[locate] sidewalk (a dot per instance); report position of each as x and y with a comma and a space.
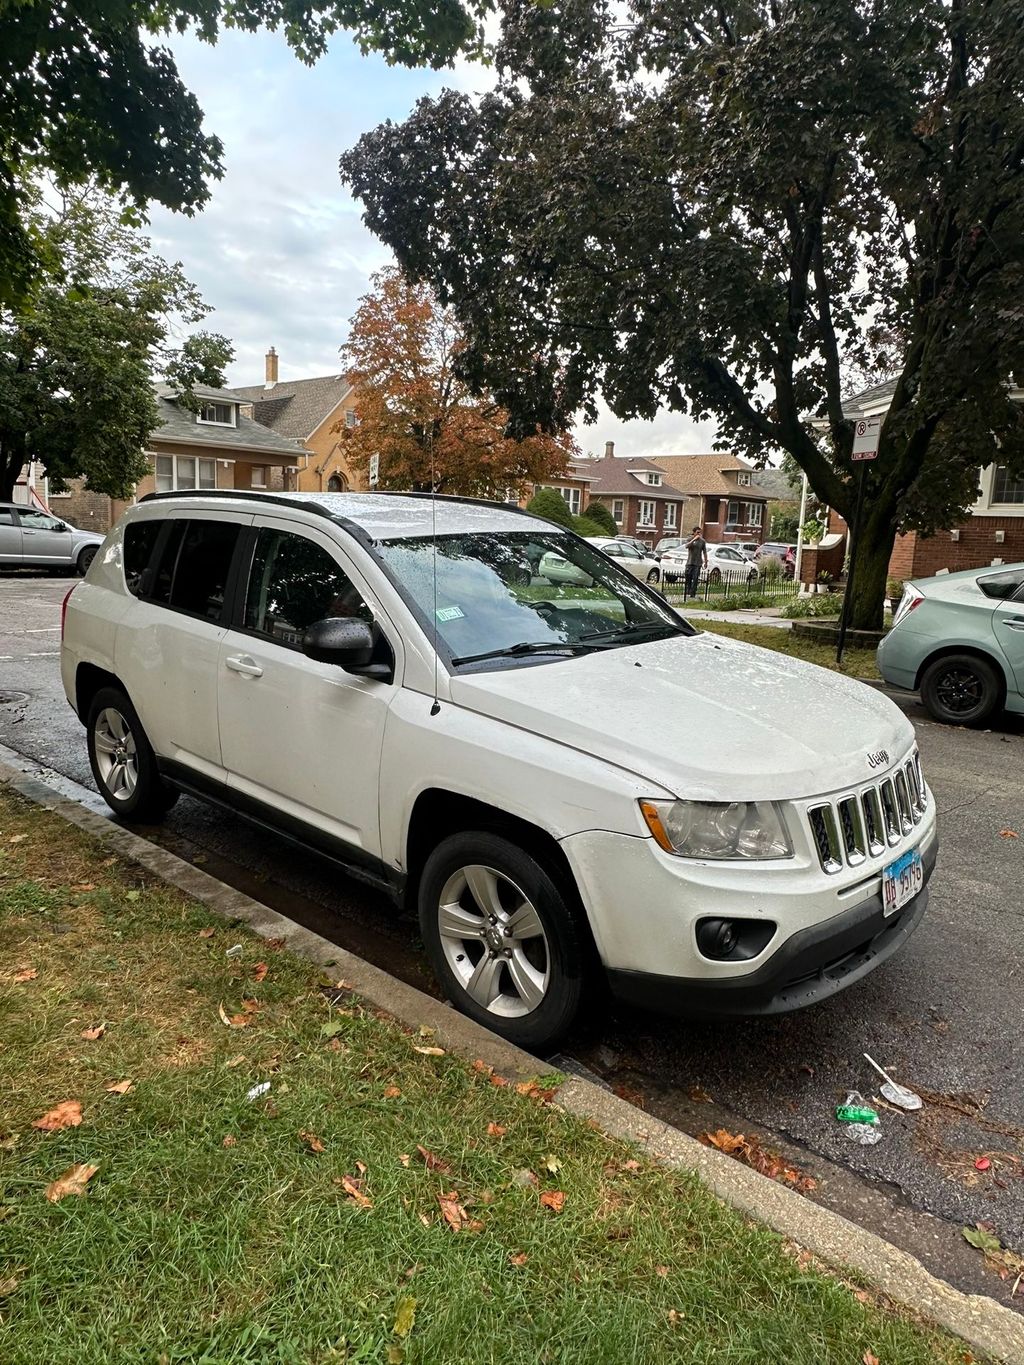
276, 1170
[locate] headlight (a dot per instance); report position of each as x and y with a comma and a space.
711, 829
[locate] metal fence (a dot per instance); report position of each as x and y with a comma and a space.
775, 591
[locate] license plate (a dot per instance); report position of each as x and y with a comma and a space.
901, 881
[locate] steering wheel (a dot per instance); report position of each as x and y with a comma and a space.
545, 608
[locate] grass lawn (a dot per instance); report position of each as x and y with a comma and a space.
304, 1225
857, 663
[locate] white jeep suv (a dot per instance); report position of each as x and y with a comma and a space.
565, 781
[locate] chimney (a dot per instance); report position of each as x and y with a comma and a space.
609, 449
270, 369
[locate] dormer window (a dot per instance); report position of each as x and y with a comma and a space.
654, 480
217, 414
743, 478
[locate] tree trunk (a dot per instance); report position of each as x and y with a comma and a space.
873, 551
13, 445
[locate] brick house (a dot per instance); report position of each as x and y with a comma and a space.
723, 495
312, 413
993, 533
633, 489
573, 484
216, 447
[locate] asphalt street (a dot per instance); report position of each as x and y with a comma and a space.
944, 1016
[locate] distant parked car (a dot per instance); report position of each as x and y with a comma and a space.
557, 569
749, 547
725, 564
787, 553
959, 640
636, 542
668, 543
639, 564
31, 539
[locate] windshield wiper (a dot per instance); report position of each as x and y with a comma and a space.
634, 628
527, 647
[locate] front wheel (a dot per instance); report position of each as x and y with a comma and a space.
751, 578
501, 939
123, 763
961, 689
654, 576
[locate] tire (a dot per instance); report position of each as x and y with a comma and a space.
85, 558
961, 689
654, 577
122, 761
715, 576
751, 579
534, 1002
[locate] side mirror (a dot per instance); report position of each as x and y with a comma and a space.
347, 642
62, 526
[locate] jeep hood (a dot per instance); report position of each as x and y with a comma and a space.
702, 716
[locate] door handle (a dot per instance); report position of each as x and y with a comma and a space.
1015, 622
242, 663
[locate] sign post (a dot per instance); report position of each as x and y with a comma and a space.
866, 434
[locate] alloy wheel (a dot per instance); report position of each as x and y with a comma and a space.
960, 691
116, 754
494, 941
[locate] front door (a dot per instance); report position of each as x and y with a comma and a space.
10, 537
43, 541
300, 736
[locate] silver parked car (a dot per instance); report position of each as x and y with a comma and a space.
31, 539
959, 640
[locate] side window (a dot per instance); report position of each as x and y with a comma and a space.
293, 582
37, 521
192, 573
6, 516
139, 543
1002, 585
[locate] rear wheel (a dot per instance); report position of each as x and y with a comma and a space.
961, 689
654, 576
715, 576
501, 939
85, 558
123, 763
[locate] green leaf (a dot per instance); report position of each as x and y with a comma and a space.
330, 1030
132, 895
983, 1240
405, 1316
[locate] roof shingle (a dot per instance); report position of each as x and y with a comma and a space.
179, 424
295, 407
705, 475
611, 476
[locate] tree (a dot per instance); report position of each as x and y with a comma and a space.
87, 94
76, 365
725, 208
600, 515
549, 504
419, 417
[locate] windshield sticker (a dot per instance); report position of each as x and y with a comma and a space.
449, 613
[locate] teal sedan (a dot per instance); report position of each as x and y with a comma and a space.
959, 640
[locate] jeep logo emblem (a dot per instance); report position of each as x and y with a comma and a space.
879, 758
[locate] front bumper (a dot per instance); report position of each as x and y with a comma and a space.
810, 966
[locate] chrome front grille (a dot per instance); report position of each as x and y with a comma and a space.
864, 823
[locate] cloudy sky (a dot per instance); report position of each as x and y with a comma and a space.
280, 251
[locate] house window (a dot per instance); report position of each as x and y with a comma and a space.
732, 515
183, 472
618, 510
654, 480
217, 414
755, 512
1005, 489
743, 480
670, 516
647, 512
351, 420
572, 497
258, 476
337, 483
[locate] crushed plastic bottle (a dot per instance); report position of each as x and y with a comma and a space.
859, 1120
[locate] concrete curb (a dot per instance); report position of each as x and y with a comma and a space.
984, 1324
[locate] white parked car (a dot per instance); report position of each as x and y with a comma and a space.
33, 539
726, 563
560, 786
639, 564
558, 569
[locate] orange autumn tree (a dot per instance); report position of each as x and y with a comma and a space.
401, 356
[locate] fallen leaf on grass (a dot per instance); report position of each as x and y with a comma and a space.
404, 1158
496, 1130
311, 1140
85, 886
132, 895
405, 1316
229, 1141
352, 1188
675, 1317
869, 1358
17, 838
73, 1181
207, 933
237, 1060
1008, 834
497, 1080
758, 1158
524, 1179
553, 1200
118, 1087
520, 1258
275, 943
430, 1051
67, 1114
551, 1164
391, 1092
25, 974
259, 971
432, 1162
10, 1284
396, 1353
91, 1035
452, 1211
661, 1270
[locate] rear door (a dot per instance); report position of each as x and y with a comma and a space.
42, 542
1008, 625
10, 537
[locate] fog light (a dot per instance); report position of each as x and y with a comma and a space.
716, 938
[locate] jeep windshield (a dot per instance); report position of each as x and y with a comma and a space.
504, 599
